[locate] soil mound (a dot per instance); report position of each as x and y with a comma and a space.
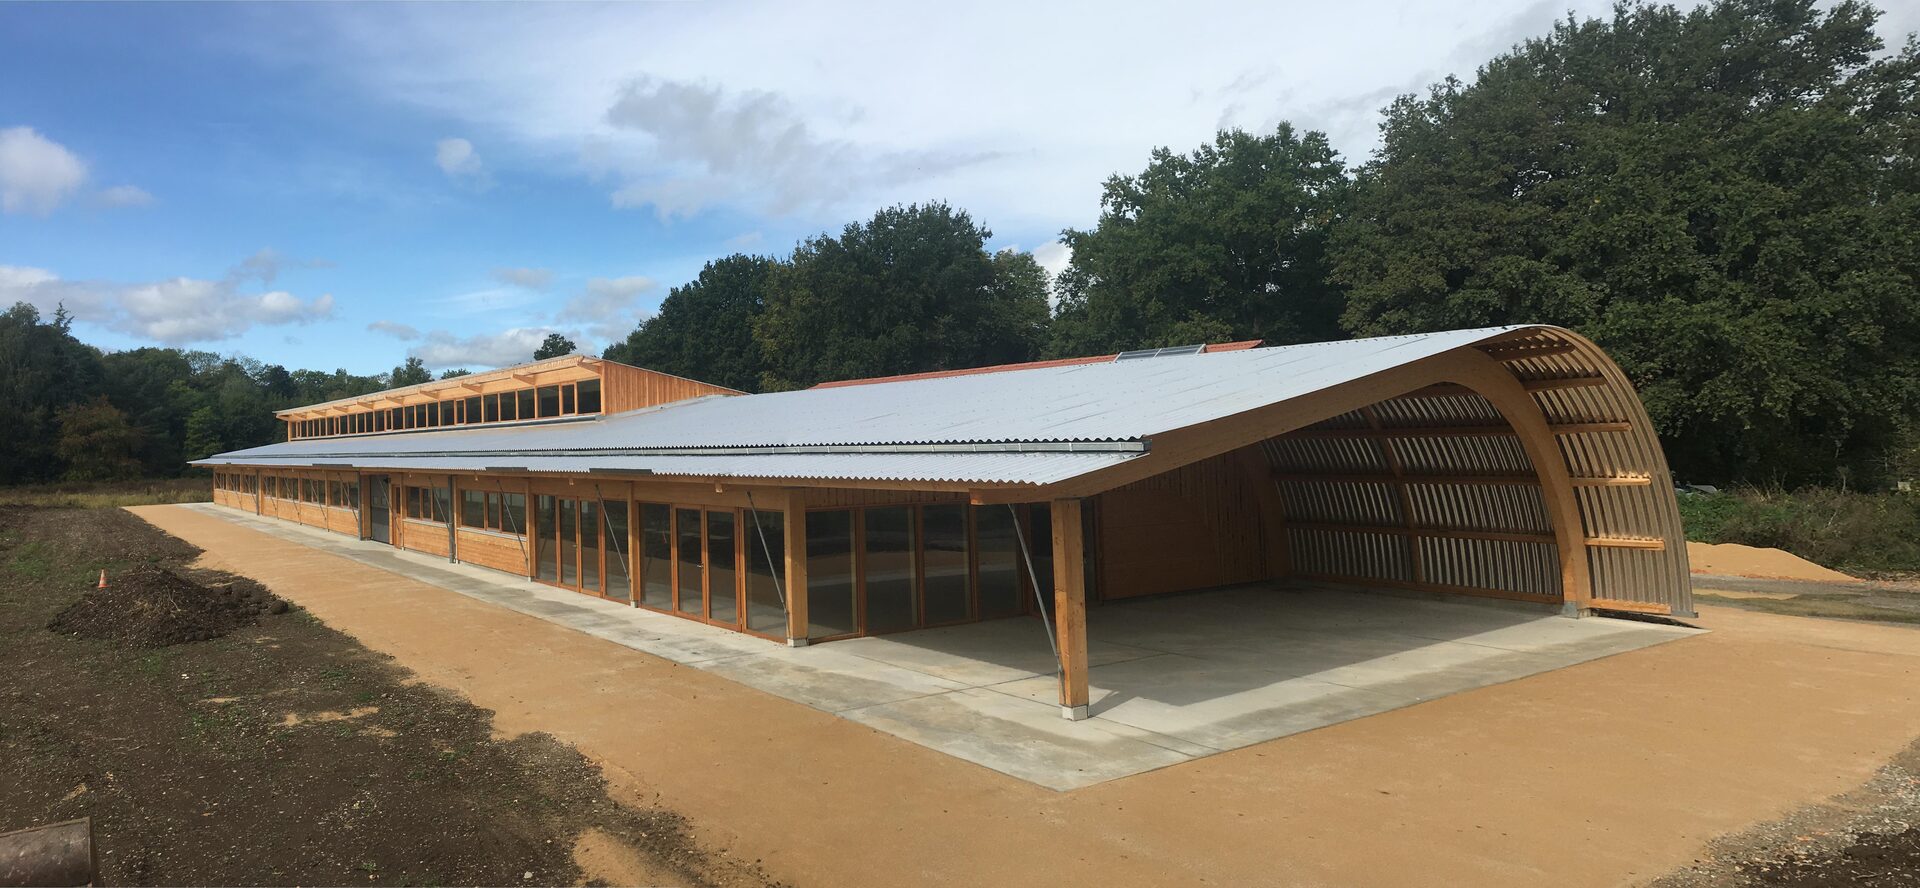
1735, 560
152, 606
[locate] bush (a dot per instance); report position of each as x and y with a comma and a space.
1845, 530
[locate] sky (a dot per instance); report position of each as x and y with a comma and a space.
345, 186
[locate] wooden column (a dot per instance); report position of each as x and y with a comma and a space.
795, 569
1070, 606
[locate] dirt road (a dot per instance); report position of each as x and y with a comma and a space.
1610, 772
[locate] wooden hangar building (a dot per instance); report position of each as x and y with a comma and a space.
1513, 463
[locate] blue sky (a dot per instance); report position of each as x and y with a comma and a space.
345, 185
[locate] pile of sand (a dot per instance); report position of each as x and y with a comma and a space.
151, 606
1735, 560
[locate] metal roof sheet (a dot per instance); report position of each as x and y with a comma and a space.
971, 468
1045, 408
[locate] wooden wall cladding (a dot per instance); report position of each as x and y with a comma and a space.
1196, 527
632, 388
499, 551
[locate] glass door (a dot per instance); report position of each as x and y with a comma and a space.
723, 568
379, 519
545, 539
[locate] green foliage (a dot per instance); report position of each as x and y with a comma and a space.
43, 370
413, 372
1724, 197
455, 373
1859, 533
1228, 242
912, 290
97, 443
704, 330
554, 346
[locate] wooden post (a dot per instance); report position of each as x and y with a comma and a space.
1070, 606
795, 568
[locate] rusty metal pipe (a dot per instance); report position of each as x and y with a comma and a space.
55, 854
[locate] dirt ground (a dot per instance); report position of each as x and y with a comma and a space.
1618, 771
233, 744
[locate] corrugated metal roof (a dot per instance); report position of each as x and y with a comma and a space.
966, 468
1049, 408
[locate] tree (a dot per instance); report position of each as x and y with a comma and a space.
43, 369
413, 372
1228, 242
97, 443
1723, 197
704, 329
912, 290
554, 346
456, 373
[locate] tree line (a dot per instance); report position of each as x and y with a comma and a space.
1726, 198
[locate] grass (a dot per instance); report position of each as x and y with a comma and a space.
109, 494
1858, 533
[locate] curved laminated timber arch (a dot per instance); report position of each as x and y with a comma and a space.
1522, 467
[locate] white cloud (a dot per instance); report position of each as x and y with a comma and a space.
707, 144
610, 306
394, 329
176, 311
441, 349
743, 240
714, 107
1053, 257
37, 174
124, 196
530, 278
461, 163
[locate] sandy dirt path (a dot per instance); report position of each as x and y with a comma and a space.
1611, 772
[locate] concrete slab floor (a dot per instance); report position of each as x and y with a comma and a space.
1173, 678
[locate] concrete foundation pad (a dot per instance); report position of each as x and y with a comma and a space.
1172, 678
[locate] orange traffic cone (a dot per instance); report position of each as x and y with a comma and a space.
103, 580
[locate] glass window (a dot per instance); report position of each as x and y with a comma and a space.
590, 545
566, 400
507, 413
514, 514
473, 507
943, 532
618, 558
656, 555
352, 490
544, 559
589, 395
723, 547
892, 604
569, 545
492, 509
493, 408
686, 525
473, 410
549, 400
442, 504
379, 422
996, 533
525, 400
414, 509
766, 562
333, 494
829, 574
